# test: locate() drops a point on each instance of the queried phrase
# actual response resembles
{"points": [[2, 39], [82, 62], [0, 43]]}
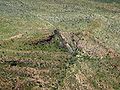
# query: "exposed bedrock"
{"points": [[81, 41]]}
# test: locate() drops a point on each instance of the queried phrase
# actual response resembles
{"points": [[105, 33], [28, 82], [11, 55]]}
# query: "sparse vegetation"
{"points": [[95, 26]]}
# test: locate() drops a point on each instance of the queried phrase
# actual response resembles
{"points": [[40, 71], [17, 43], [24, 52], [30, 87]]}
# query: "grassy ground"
{"points": [[48, 67]]}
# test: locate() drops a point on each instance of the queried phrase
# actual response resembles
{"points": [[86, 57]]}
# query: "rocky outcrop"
{"points": [[63, 41], [91, 45], [81, 41], [86, 43]]}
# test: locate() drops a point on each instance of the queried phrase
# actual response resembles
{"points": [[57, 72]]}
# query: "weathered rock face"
{"points": [[65, 40], [79, 41], [88, 45]]}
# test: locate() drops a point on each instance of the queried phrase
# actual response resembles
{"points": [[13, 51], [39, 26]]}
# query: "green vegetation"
{"points": [[27, 66]]}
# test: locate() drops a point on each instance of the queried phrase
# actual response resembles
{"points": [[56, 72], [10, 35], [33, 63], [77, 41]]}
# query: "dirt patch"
{"points": [[27, 70], [5, 84], [14, 37], [33, 74], [83, 81], [89, 44]]}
